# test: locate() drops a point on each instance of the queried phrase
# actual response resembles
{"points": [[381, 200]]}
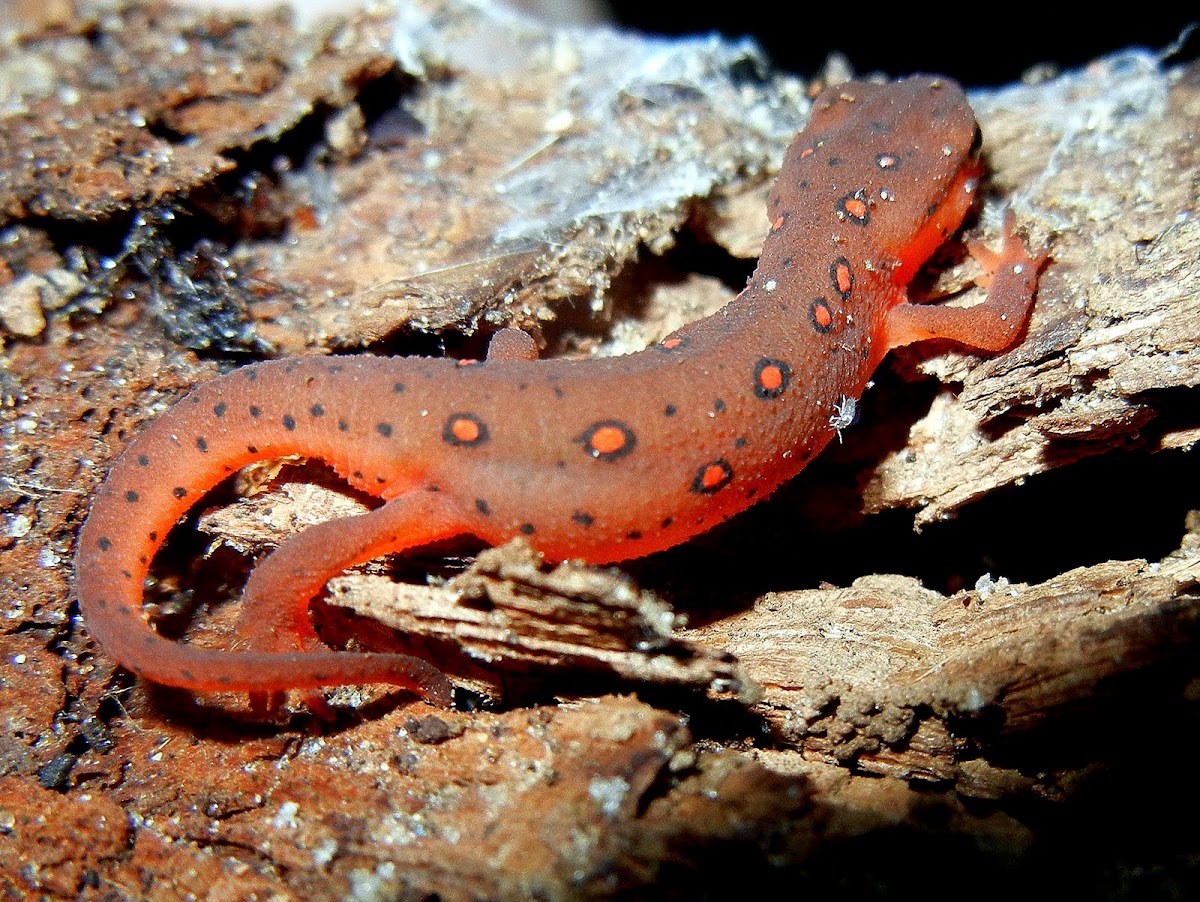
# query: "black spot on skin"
{"points": [[252, 375], [255, 412], [583, 519], [671, 343], [187, 674], [433, 488], [704, 482], [127, 574], [384, 429], [333, 369], [143, 460], [834, 268], [666, 523], [179, 491], [380, 480], [559, 393], [202, 444], [131, 496], [104, 543], [102, 604], [317, 410], [833, 161], [224, 679], [787, 262], [252, 449], [465, 430], [775, 366], [482, 507], [670, 410], [142, 559], [289, 422], [596, 440], [527, 529], [220, 409], [859, 197], [398, 388], [719, 406], [633, 535], [818, 312], [153, 536], [740, 442], [750, 493], [343, 426]]}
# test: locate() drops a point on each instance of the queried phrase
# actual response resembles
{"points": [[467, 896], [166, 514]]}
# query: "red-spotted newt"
{"points": [[603, 459]]}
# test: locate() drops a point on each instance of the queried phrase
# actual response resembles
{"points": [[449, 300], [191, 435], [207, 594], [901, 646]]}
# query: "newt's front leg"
{"points": [[993, 325]]}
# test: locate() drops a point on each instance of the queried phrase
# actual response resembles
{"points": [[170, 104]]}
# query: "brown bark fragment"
{"points": [[902, 681]]}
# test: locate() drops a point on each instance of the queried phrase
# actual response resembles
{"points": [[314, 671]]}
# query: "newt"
{"points": [[601, 460]]}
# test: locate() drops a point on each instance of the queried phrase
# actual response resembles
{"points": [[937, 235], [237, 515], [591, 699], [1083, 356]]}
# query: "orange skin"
{"points": [[602, 460]]}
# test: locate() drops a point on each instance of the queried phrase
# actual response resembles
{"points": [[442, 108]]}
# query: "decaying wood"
{"points": [[510, 618], [243, 182], [905, 682]]}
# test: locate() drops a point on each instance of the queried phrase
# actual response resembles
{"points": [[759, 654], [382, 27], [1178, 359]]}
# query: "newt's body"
{"points": [[600, 459]]}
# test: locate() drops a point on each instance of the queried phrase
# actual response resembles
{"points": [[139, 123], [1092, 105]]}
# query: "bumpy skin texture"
{"points": [[602, 460]]}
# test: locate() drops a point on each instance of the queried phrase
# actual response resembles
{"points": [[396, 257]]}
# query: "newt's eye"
{"points": [[977, 142]]}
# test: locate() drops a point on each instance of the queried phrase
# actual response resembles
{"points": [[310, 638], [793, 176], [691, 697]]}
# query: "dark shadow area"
{"points": [[994, 49]]}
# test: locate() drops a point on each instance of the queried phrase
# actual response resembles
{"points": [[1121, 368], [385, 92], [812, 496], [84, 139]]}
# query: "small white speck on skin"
{"points": [[844, 410], [770, 285]]}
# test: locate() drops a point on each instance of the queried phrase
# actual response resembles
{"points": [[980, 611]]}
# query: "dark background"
{"points": [[979, 44]]}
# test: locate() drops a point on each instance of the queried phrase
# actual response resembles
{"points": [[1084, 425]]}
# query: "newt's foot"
{"points": [[995, 324]]}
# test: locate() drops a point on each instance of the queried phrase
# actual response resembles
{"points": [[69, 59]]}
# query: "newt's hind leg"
{"points": [[275, 602]]}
